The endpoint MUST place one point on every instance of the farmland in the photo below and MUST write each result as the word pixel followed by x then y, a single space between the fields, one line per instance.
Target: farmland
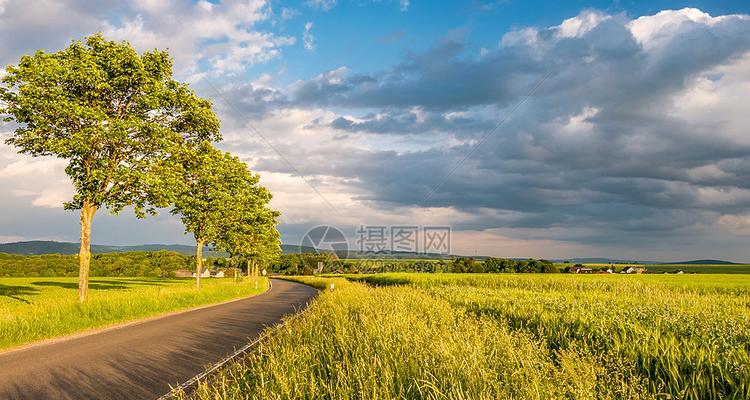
pixel 528 336
pixel 32 309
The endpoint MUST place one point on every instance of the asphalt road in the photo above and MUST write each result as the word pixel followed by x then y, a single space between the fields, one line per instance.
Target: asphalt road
pixel 140 361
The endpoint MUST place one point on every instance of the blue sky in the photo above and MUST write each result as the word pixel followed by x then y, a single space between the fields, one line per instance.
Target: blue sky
pixel 367 36
pixel 623 134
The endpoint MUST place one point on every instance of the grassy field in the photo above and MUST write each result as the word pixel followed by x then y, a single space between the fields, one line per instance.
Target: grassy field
pixel 32 309
pixel 472 336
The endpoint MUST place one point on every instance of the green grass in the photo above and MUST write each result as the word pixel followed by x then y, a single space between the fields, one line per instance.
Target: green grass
pixel 32 309
pixel 531 336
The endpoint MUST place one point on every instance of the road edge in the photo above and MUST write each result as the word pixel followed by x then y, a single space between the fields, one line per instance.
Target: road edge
pixel 181 388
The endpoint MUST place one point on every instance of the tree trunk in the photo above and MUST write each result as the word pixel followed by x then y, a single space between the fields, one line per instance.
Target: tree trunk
pixel 198 262
pixel 84 254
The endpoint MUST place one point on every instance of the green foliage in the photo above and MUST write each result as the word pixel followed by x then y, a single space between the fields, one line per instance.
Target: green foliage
pixel 114 114
pixel 292 264
pixel 466 264
pixel 221 202
pixel 305 263
pixel 505 265
pixel 249 225
pixel 205 190
pixel 151 264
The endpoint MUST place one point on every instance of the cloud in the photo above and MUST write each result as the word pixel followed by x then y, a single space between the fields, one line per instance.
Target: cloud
pixel 324 5
pixel 223 36
pixel 637 135
pixel 307 37
pixel 327 5
pixel 288 13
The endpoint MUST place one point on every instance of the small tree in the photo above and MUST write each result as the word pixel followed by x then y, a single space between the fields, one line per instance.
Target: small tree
pixel 267 248
pixel 216 198
pixel 249 226
pixel 115 115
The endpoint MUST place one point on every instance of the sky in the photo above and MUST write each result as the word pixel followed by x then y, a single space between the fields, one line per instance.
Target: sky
pixel 532 129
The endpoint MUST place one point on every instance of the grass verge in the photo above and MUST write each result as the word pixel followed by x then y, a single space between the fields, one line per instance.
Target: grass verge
pixel 33 309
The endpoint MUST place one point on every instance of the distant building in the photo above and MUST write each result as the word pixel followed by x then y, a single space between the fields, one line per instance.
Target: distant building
pixel 633 270
pixel 219 274
pixel 183 273
pixel 206 274
pixel 580 269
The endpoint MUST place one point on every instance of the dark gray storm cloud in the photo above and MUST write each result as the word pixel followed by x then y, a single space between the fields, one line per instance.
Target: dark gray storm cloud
pixel 609 141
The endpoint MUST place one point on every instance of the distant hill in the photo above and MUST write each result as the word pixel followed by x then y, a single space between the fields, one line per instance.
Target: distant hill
pixel 408 255
pixel 600 260
pixel 597 260
pixel 52 247
pixel 704 262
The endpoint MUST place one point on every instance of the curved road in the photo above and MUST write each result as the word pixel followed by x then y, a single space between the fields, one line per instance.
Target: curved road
pixel 140 361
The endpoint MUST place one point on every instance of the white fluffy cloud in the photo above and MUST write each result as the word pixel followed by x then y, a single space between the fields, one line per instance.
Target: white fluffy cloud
pixel 224 35
pixel 222 38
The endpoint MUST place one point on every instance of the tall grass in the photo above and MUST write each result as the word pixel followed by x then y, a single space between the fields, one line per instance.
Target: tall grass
pixel 360 342
pixel 32 309
pixel 453 336
pixel 688 336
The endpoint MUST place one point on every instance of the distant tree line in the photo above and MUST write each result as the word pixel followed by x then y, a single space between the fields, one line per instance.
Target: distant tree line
pixel 310 263
pixel 167 263
pixel 519 266
pixel 140 263
pixel 162 264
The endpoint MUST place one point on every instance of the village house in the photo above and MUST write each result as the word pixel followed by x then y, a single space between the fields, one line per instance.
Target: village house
pixel 580 269
pixel 183 273
pixel 205 274
pixel 633 270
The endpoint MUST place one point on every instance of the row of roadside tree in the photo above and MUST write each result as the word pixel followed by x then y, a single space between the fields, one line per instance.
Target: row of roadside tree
pixel 135 137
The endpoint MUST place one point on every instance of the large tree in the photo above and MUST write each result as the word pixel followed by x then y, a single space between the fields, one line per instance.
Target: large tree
pixel 115 115
pixel 218 201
